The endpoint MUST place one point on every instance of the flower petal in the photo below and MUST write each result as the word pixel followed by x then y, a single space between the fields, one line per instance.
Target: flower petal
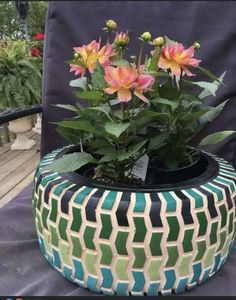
pixel 124 95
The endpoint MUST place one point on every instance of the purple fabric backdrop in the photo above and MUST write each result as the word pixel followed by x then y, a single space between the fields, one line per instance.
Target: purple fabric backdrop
pixel 25 272
pixel 71 24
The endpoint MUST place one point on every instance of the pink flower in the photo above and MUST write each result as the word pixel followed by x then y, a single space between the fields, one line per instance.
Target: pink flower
pixel 79 70
pixel 176 58
pixel 88 56
pixel 35 52
pixel 124 80
pixel 38 37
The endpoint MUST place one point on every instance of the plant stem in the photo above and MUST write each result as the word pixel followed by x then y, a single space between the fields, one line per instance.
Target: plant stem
pixel 140 55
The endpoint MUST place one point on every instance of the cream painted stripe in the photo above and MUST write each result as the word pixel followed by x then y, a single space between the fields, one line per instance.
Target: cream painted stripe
pixel 97 240
pixel 163 240
pixel 206 237
pixel 113 239
pixel 131 230
pixel 84 224
pixel 195 231
pixel 147 240
pixel 180 237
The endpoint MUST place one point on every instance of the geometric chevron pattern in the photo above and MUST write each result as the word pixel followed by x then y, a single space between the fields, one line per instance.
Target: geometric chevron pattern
pixel 135 243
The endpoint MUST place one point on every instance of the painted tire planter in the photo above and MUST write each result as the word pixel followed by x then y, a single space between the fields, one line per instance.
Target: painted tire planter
pixel 136 242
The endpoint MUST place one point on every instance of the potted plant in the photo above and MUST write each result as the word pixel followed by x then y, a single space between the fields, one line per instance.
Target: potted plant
pixel 20 86
pixel 130 207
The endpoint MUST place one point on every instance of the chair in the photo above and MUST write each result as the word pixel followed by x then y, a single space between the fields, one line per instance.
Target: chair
pixel 24 271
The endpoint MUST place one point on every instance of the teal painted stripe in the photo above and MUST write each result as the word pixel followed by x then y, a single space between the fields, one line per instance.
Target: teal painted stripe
pixel 228 173
pixel 217 262
pixel 140 202
pixel 170 201
pixel 67 272
pixel 226 182
pixel 81 195
pixel 79 271
pixel 47 178
pixel 60 188
pixel 170 279
pixel 139 281
pixel 197 270
pixel 197 197
pixel 206 275
pixel 109 200
pixel 92 284
pixel 57 260
pixel 214 189
pixel 107 278
pixel 181 285
pixel 153 289
pixel 121 288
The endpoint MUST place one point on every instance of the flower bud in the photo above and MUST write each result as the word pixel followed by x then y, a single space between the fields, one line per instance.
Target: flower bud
pixel 158 41
pixel 196 45
pixel 146 36
pixel 76 55
pixel 111 25
pixel 121 39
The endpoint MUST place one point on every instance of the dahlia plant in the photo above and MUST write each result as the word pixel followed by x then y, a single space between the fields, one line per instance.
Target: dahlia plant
pixel 142 107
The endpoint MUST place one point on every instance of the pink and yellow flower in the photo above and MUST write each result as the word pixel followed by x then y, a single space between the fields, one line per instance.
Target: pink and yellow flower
pixel 176 58
pixel 124 80
pixel 121 39
pixel 90 54
pixel 78 69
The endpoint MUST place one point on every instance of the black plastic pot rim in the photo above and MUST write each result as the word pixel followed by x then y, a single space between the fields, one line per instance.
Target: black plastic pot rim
pixel 211 172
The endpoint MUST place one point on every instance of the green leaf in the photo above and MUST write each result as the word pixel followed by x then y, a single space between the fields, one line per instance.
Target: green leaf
pixel 211 75
pixel 133 150
pixel 104 110
pixel 70 162
pixel 116 129
pixel 68 107
pixel 173 104
pixel 152 67
pixel 215 137
pixel 206 93
pixel 169 92
pixel 147 115
pixel 80 82
pixel 90 95
pixel 98 81
pixel 190 97
pixel 120 62
pixel 209 87
pixel 83 125
pixel 190 117
pixel 69 134
pixel 212 113
pixel 157 141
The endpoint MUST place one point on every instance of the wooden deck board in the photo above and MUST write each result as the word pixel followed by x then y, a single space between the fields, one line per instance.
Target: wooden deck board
pixel 17 169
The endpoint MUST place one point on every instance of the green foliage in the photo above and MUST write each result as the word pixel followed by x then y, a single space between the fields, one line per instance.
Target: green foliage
pixel 10 21
pixel 20 76
pixel 215 138
pixel 71 162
